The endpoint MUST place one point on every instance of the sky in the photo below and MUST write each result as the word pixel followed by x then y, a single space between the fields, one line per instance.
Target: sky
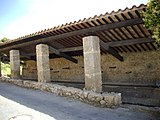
pixel 23 17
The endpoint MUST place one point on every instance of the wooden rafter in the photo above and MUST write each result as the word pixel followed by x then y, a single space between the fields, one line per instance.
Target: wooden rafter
pixel 110 50
pixel 57 52
pixel 71 49
pixel 17 44
pixel 130 42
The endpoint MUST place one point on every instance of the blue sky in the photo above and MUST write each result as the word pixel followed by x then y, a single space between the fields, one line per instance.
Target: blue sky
pixel 22 17
pixel 11 10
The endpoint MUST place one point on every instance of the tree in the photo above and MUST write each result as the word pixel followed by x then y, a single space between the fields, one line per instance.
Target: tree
pixel 3 55
pixel 151 18
pixel 5 67
pixel 4 39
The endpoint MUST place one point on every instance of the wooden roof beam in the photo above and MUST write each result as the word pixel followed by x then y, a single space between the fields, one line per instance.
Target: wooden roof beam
pixel 57 52
pixel 113 44
pixel 130 42
pixel 79 48
pixel 23 54
pixel 110 50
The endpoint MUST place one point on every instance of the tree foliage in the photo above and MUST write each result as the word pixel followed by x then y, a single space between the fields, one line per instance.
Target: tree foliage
pixel 5 67
pixel 151 18
pixel 4 39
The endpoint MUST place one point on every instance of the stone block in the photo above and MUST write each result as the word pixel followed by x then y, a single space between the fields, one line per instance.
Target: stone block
pixel 85 94
pixel 42 49
pixel 44 76
pixel 102 102
pixel 91 44
pixel 112 99
pixel 117 100
pixel 15 74
pixel 96 97
pixel 92 63
pixel 109 100
pixel 93 82
pixel 14 52
pixel 42 65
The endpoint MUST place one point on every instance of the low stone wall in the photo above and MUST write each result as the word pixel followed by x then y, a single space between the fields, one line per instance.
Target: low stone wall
pixel 97 99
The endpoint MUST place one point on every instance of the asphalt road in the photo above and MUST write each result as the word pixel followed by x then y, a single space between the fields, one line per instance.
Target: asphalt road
pixel 17 100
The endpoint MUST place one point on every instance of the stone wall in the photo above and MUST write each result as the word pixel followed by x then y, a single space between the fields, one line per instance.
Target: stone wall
pixel 60 69
pixel 138 68
pixel 29 70
pixel 103 100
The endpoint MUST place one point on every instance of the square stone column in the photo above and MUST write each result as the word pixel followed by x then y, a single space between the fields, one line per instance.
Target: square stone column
pixel 15 64
pixel 43 67
pixel 92 63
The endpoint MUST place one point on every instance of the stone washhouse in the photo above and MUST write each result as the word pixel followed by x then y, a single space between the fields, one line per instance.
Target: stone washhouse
pixel 112 53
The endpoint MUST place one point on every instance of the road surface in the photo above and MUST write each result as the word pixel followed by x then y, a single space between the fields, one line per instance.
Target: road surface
pixel 38 105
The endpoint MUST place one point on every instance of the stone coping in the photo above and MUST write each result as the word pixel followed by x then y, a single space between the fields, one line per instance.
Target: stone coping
pixel 110 100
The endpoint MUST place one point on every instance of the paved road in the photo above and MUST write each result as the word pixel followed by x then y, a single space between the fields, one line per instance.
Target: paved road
pixel 60 108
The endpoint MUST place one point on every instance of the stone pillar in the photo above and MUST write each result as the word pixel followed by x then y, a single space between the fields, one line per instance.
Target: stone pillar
pixel 15 64
pixel 92 63
pixel 43 67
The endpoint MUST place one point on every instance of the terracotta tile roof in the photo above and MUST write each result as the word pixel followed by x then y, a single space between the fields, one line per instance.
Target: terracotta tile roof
pixel 115 34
